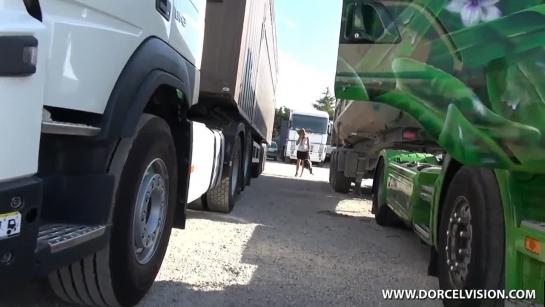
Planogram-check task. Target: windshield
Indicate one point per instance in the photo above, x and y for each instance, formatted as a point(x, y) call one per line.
point(273, 145)
point(310, 123)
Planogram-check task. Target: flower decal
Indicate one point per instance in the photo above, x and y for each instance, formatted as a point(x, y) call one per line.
point(475, 11)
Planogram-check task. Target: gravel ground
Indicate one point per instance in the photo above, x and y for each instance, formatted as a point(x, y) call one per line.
point(289, 242)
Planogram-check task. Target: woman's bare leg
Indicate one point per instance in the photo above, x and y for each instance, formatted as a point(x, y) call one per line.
point(302, 167)
point(296, 167)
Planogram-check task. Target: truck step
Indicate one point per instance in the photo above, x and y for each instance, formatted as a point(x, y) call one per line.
point(59, 237)
point(426, 193)
point(535, 225)
point(423, 231)
point(55, 127)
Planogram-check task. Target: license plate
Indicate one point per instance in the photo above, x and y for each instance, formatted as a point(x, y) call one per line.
point(10, 224)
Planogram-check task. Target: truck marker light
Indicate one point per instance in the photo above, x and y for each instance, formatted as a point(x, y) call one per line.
point(409, 134)
point(30, 55)
point(532, 245)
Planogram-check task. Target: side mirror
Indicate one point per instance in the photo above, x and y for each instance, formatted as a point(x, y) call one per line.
point(367, 22)
point(329, 129)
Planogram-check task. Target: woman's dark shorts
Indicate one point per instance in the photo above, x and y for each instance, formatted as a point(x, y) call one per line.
point(302, 155)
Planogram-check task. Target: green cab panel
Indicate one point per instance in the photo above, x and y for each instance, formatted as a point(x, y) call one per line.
point(522, 200)
point(410, 183)
point(469, 72)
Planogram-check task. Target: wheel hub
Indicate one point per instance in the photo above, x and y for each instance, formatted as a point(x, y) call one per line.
point(458, 247)
point(150, 211)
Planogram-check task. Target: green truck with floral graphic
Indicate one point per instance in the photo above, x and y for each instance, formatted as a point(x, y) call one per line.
point(442, 103)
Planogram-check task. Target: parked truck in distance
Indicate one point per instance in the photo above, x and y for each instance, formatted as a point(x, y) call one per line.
point(113, 120)
point(442, 107)
point(272, 151)
point(316, 124)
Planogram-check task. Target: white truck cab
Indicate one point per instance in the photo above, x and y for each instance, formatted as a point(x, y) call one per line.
point(317, 126)
point(103, 140)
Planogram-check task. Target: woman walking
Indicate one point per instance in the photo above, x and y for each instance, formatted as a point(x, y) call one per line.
point(303, 146)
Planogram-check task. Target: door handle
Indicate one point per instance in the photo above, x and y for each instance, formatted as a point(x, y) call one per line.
point(163, 7)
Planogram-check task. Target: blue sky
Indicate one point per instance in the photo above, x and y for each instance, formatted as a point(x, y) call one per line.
point(308, 32)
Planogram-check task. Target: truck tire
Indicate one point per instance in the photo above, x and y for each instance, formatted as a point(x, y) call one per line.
point(222, 198)
point(340, 183)
point(471, 238)
point(255, 170)
point(384, 215)
point(247, 169)
point(332, 169)
point(125, 269)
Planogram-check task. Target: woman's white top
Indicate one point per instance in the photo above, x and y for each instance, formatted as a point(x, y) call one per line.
point(303, 145)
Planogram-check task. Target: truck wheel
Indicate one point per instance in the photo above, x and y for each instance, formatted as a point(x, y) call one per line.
point(222, 198)
point(340, 183)
point(143, 213)
point(384, 216)
point(256, 168)
point(247, 169)
point(332, 170)
point(471, 235)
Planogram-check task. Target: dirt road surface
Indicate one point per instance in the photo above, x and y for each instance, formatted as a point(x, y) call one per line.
point(289, 242)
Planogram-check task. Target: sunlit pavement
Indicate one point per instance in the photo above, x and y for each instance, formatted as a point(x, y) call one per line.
point(290, 241)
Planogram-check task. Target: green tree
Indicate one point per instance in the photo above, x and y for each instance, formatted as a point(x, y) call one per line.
point(280, 114)
point(326, 103)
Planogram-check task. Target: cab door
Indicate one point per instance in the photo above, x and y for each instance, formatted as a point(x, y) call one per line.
point(187, 29)
point(367, 34)
point(373, 34)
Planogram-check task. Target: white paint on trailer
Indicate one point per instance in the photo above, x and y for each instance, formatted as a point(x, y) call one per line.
point(206, 150)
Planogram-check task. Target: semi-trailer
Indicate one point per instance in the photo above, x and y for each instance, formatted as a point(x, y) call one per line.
point(114, 116)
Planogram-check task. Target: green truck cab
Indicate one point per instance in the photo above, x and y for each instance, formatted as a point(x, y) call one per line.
point(471, 74)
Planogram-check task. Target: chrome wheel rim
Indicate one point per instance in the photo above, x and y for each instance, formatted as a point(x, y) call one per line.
point(150, 211)
point(459, 238)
